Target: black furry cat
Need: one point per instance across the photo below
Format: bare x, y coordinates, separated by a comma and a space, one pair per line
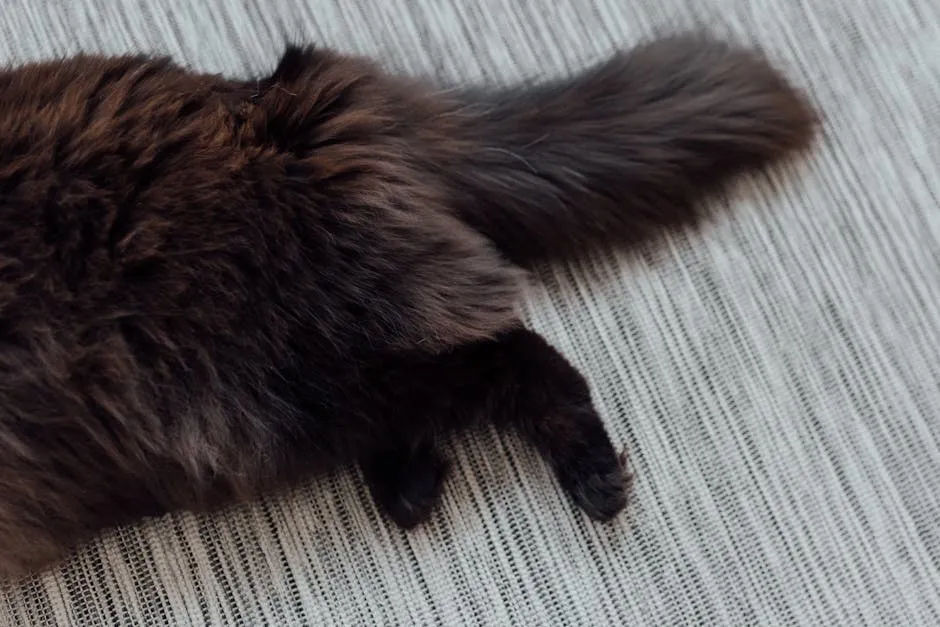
210, 288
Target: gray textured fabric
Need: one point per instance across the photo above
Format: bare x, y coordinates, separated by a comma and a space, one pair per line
775, 375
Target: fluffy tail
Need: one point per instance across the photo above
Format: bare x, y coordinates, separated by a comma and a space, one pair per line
627, 146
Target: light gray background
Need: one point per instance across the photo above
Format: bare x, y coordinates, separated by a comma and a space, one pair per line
775, 374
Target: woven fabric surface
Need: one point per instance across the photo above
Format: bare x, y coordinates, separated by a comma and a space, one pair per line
774, 374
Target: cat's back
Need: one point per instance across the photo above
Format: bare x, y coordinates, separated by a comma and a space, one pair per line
95, 116
105, 162
139, 200
87, 141
123, 204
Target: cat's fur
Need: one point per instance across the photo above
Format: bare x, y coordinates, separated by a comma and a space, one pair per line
210, 288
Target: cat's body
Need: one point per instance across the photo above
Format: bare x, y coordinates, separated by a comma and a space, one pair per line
211, 288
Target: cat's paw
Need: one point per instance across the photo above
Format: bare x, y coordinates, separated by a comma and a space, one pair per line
407, 487
600, 485
587, 465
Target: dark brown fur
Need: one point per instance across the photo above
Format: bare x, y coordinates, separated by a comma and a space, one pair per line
211, 288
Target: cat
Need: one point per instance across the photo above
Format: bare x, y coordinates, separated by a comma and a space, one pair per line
212, 288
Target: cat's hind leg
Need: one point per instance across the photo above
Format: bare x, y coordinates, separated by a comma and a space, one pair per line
516, 381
